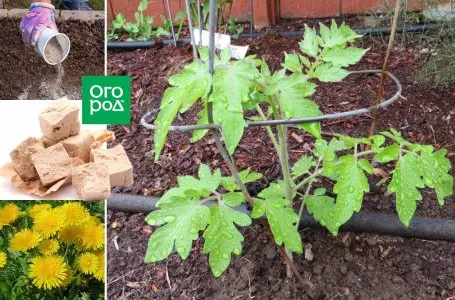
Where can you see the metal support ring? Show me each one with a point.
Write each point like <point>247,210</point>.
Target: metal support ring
<point>341,115</point>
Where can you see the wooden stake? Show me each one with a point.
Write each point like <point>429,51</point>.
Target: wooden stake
<point>380,93</point>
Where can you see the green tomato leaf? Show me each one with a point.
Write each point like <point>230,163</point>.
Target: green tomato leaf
<point>319,147</point>
<point>234,199</point>
<point>343,57</point>
<point>170,105</point>
<point>319,192</point>
<point>258,209</point>
<point>282,219</point>
<point>327,153</point>
<point>193,187</point>
<point>293,90</point>
<point>246,176</point>
<point>366,166</point>
<point>222,237</point>
<point>168,197</point>
<point>436,174</point>
<point>337,35</point>
<point>323,208</point>
<point>405,181</point>
<point>305,61</point>
<point>303,165</point>
<point>350,187</point>
<point>209,181</point>
<point>388,153</point>
<point>309,45</point>
<point>292,62</point>
<point>338,145</point>
<point>232,83</point>
<point>203,119</point>
<point>225,55</point>
<point>378,140</point>
<point>188,86</point>
<point>183,220</point>
<point>232,126</point>
<point>196,77</point>
<point>330,73</point>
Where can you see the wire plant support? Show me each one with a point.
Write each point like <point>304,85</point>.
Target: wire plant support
<point>341,115</point>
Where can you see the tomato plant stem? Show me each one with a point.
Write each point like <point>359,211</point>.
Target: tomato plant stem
<point>310,183</point>
<point>269,130</point>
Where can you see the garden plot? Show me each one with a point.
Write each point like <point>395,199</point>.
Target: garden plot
<point>424,115</point>
<point>25,74</point>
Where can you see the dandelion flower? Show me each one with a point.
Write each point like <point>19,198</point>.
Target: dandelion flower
<point>73,213</point>
<point>9,214</point>
<point>48,247</point>
<point>88,263</point>
<point>24,240</point>
<point>48,272</point>
<point>37,208</point>
<point>94,220</point>
<point>47,223</point>
<point>99,274</point>
<point>70,233</point>
<point>2,259</point>
<point>69,277</point>
<point>92,236</point>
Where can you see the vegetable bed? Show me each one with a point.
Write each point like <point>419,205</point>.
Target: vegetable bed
<point>24,71</point>
<point>346,266</point>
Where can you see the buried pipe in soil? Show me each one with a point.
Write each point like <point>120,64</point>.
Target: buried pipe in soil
<point>378,223</point>
<point>371,31</point>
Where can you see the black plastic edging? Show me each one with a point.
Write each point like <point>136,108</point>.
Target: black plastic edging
<point>384,224</point>
<point>367,31</point>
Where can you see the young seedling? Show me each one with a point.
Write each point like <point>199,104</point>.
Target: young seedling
<point>248,84</point>
<point>142,30</point>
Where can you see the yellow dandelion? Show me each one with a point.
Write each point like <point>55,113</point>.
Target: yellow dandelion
<point>69,277</point>
<point>93,220</point>
<point>37,208</point>
<point>88,263</point>
<point>70,233</point>
<point>48,272</point>
<point>48,247</point>
<point>47,223</point>
<point>73,213</point>
<point>25,240</point>
<point>2,259</point>
<point>9,214</point>
<point>92,236</point>
<point>99,274</point>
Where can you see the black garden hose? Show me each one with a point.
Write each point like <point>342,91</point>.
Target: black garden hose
<point>384,224</point>
<point>367,31</point>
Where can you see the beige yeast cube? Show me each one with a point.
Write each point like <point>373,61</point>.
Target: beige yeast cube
<point>120,167</point>
<point>52,164</point>
<point>60,120</point>
<point>91,181</point>
<point>79,145</point>
<point>21,158</point>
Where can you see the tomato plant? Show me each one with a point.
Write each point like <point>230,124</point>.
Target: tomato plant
<point>248,84</point>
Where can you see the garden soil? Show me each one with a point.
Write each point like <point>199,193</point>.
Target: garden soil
<point>349,266</point>
<point>25,74</point>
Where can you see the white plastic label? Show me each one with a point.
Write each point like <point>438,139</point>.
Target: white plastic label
<point>239,52</point>
<point>221,40</point>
